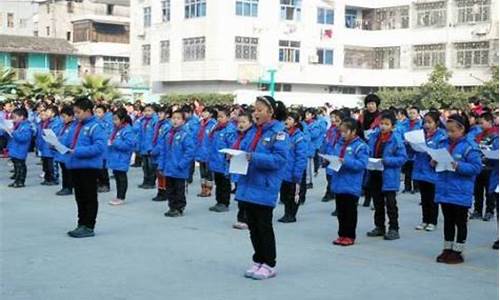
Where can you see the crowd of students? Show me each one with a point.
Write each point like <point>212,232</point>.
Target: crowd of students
<point>284,148</point>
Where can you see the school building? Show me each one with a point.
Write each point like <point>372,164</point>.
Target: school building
<point>317,50</point>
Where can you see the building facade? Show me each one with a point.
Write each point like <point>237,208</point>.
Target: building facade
<point>319,50</point>
<point>19,18</point>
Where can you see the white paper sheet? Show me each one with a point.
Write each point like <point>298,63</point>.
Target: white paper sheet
<point>7,125</point>
<point>490,154</point>
<point>50,137</point>
<point>368,133</point>
<point>416,139</point>
<point>375,164</point>
<point>443,159</point>
<point>334,161</point>
<point>238,163</point>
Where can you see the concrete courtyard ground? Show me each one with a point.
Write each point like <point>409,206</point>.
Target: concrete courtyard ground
<point>140,254</point>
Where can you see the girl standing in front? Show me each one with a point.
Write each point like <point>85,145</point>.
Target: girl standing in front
<point>425,175</point>
<point>258,189</point>
<point>18,145</point>
<point>295,167</point>
<point>454,189</point>
<point>120,147</point>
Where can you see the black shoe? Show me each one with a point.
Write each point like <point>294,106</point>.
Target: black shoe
<point>476,215</point>
<point>487,216</point>
<point>135,165</point>
<point>391,235</point>
<point>49,183</point>
<point>160,196</point>
<point>64,192</point>
<point>405,191</point>
<point>173,213</point>
<point>366,203</point>
<point>334,213</point>
<point>18,185</point>
<point>81,231</point>
<point>327,197</point>
<point>495,245</point>
<point>103,189</point>
<point>309,186</point>
<point>376,232</point>
<point>413,192</point>
<point>219,207</point>
<point>148,186</point>
<point>13,177</point>
<point>287,219</point>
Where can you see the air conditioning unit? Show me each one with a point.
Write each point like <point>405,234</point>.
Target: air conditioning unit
<point>313,59</point>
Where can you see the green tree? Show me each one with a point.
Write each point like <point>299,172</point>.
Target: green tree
<point>488,92</point>
<point>207,99</point>
<point>47,84</point>
<point>7,80</point>
<point>96,87</point>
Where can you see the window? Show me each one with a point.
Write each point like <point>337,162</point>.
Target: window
<point>325,56</point>
<point>246,48</point>
<point>23,23</point>
<point>47,30</point>
<point>431,14</point>
<point>290,10</point>
<point>427,56</point>
<point>57,62</point>
<point>247,8</point>
<point>69,7</point>
<point>109,9</point>
<point>391,18</point>
<point>289,51</point>
<point>387,58</point>
<point>164,51</point>
<point>10,20</point>
<point>473,11</point>
<point>325,16</point>
<point>147,16</point>
<point>146,55</point>
<point>472,54</point>
<point>194,49</point>
<point>68,35</point>
<point>278,87</point>
<point>351,16</point>
<point>195,8</point>
<point>165,11</point>
<point>359,58</point>
<point>48,7</point>
<point>115,65</point>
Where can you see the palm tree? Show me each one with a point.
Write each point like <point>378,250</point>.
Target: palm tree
<point>7,80</point>
<point>96,87</point>
<point>48,84</point>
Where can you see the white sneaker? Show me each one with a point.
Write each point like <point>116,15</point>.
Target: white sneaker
<point>430,227</point>
<point>421,226</point>
<point>251,271</point>
<point>116,202</point>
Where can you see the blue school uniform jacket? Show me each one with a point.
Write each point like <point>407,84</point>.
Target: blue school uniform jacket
<point>146,128</point>
<point>121,148</point>
<point>62,135</point>
<point>177,153</point>
<point>220,139</point>
<point>331,139</point>
<point>202,141</point>
<point>246,140</point>
<point>316,133</point>
<point>474,131</point>
<point>297,157</point>
<point>404,127</point>
<point>349,179</point>
<point>163,128</point>
<point>307,136</point>
<point>90,145</point>
<point>192,125</point>
<point>262,182</point>
<point>393,158</point>
<point>45,150</point>
<point>20,141</point>
<point>422,169</point>
<point>458,187</point>
<point>493,163</point>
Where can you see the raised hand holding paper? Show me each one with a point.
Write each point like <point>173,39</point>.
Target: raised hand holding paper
<point>375,164</point>
<point>443,159</point>
<point>50,137</point>
<point>335,163</point>
<point>416,139</point>
<point>238,163</point>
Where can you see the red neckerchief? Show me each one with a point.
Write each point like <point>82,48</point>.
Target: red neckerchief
<point>344,147</point>
<point>64,128</point>
<point>485,133</point>
<point>157,131</point>
<point>45,124</point>
<point>147,122</point>
<point>115,132</point>
<point>16,125</point>
<point>453,145</point>
<point>291,131</point>
<point>236,144</point>
<point>172,133</point>
<point>219,126</point>
<point>337,137</point>
<point>8,115</point>
<point>310,121</point>
<point>329,133</point>
<point>257,136</point>
<point>76,135</point>
<point>382,139</point>
<point>412,123</point>
<point>201,131</point>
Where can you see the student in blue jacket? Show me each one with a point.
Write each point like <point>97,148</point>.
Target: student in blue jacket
<point>68,121</point>
<point>306,182</point>
<point>425,175</point>
<point>87,142</point>
<point>162,127</point>
<point>317,135</point>
<point>18,145</point>
<point>176,156</point>
<point>220,137</point>
<point>295,167</point>
<point>120,147</point>
<point>101,113</point>
<point>48,121</point>
<point>493,184</point>
<point>410,121</point>
<point>259,188</point>
<point>246,130</point>
<point>145,146</point>
<point>207,123</point>
<point>454,189</point>
<point>347,182</point>
<point>388,146</point>
<point>192,125</point>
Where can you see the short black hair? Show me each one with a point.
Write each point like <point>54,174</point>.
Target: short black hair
<point>84,103</point>
<point>101,106</point>
<point>388,115</point>
<point>415,108</point>
<point>180,112</point>
<point>487,116</point>
<point>20,111</point>
<point>67,110</point>
<point>351,124</point>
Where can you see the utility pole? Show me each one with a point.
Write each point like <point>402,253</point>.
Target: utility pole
<point>271,81</point>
